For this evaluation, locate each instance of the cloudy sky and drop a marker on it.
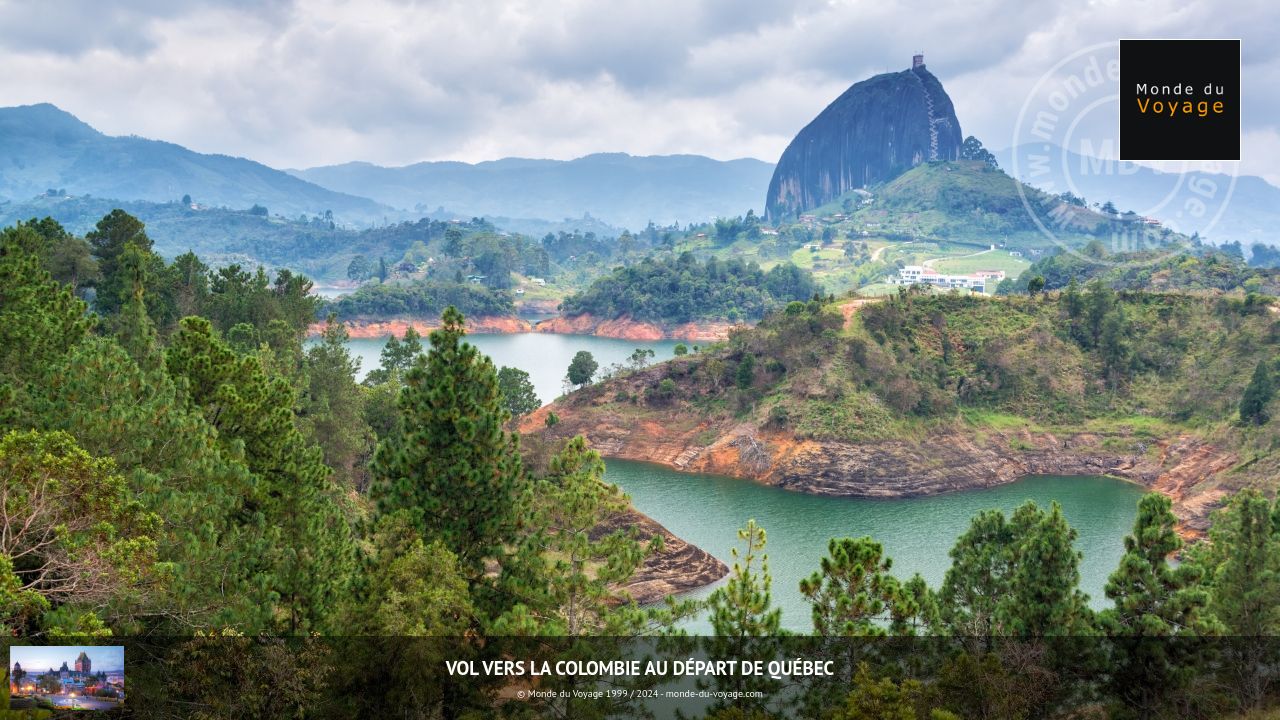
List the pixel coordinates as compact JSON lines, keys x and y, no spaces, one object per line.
{"x":298,"y":83}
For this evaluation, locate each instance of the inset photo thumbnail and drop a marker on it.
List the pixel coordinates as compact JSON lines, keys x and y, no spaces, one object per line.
{"x":79,"y":677}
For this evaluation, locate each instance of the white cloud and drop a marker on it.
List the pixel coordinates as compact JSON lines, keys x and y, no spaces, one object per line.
{"x":311,"y":82}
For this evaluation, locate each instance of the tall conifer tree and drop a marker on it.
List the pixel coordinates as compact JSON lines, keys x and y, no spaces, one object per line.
{"x":453,"y":469}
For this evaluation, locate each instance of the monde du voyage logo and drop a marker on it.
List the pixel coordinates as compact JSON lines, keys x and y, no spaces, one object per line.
{"x":1179,"y":99}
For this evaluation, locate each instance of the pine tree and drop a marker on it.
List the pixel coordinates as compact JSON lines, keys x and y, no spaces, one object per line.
{"x":1257,"y":395}
{"x":854,"y":594}
{"x":133,"y":326}
{"x":311,"y":566}
{"x":109,"y":240}
{"x":40,"y":321}
{"x":213,"y":547}
{"x":398,"y":356}
{"x":1043,"y":598}
{"x":332,"y":409}
{"x":452,"y":468}
{"x":1242,"y":566}
{"x":743,"y":607}
{"x":1015,"y":576}
{"x":408,"y":588}
{"x":1246,"y":576}
{"x":1153,"y":602}
{"x":1151,"y":598}
{"x":743,"y":618}
{"x":982,"y":564}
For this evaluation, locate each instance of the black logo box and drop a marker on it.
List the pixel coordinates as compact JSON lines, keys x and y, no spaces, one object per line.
{"x":1185,"y":67}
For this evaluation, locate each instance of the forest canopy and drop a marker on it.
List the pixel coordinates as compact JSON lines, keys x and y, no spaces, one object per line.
{"x":683,"y":289}
{"x":422,"y":298}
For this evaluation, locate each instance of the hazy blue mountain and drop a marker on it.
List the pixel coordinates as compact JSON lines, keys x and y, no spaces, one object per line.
{"x":1252,"y":215}
{"x":616,"y":188}
{"x":43,"y":147}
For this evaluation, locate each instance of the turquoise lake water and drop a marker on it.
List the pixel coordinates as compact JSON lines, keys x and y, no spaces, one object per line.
{"x":708,"y":510}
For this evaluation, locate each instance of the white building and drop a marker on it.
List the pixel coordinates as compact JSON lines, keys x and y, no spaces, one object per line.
{"x":981,"y":281}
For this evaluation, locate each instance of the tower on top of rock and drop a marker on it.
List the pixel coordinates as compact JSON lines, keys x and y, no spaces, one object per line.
{"x":917,"y":61}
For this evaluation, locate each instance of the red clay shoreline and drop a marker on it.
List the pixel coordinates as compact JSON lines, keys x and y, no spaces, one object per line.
{"x":622,"y":328}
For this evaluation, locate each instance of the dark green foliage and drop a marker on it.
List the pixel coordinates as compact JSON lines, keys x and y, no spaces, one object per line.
{"x":237,"y":296}
{"x":1242,"y":566}
{"x":582,"y":368}
{"x":1035,"y":284}
{"x":66,"y":257}
{"x":854,"y":594}
{"x":1257,"y":395}
{"x":682,"y":289}
{"x":1153,"y":598}
{"x":133,"y":325}
{"x":745,"y":375}
{"x":1154,"y":601}
{"x":360,"y":269}
{"x":972,"y":149}
{"x":1192,"y":267}
{"x":398,"y":355}
{"x":174,"y":465}
{"x":109,"y":240}
{"x":453,"y":469}
{"x":1015,"y":577}
{"x":422,"y":298}
{"x":743,"y":618}
{"x":409,"y":588}
{"x":294,"y":494}
{"x":1043,"y":597}
{"x":39,"y":320}
{"x":518,"y":396}
{"x":981,"y":570}
{"x":331,"y":409}
{"x":577,"y":544}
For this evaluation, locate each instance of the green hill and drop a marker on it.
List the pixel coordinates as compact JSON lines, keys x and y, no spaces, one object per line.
{"x":1197,"y":268}
{"x":921,"y":393}
{"x":973,"y":203}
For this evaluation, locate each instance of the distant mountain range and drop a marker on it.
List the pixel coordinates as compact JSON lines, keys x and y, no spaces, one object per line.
{"x":619,"y":189}
{"x":1252,"y":214}
{"x":43,"y":148}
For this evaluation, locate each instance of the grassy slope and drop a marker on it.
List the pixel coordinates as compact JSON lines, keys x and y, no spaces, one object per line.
{"x":970,"y":203}
{"x":940,"y":212}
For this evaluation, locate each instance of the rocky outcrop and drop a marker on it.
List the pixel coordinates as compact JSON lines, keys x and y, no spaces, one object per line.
{"x":679,"y":567}
{"x":1187,"y":469}
{"x":878,"y":129}
{"x":627,"y":329}
{"x":496,"y":325}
